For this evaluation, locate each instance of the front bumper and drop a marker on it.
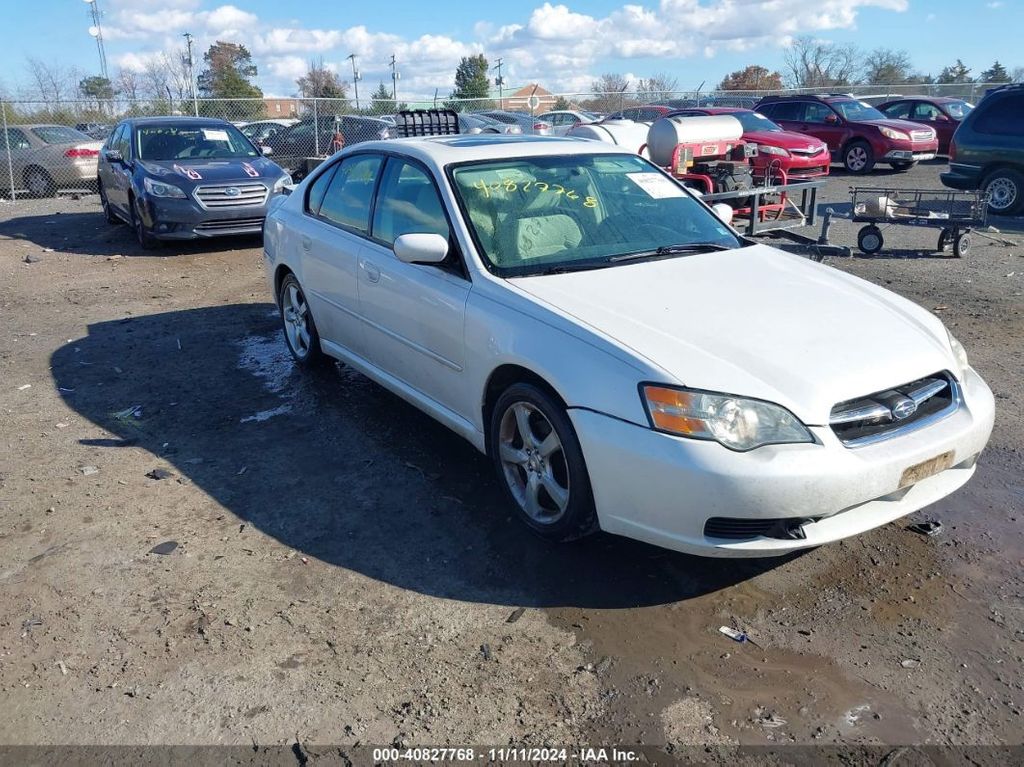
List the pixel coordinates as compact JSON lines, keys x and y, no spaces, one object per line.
{"x":796,"y":166}
{"x":184,"y":219}
{"x":663,"y":489}
{"x":909,"y":155}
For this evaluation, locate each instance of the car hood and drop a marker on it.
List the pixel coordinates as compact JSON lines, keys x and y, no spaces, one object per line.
{"x":785,"y":139}
{"x":215,"y":171}
{"x":900,"y":125}
{"x":756,"y":322}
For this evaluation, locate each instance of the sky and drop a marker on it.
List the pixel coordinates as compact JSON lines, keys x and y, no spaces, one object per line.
{"x":561,"y":45}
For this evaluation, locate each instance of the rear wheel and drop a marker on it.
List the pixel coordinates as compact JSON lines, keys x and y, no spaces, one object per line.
{"x":962,"y":245}
{"x":945,"y":237}
{"x":540,"y":464}
{"x":859,"y":157}
{"x":1005,"y":191}
{"x":902,"y":167}
{"x":870,"y":240}
{"x":39,"y":183}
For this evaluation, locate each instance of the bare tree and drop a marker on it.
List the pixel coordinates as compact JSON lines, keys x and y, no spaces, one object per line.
{"x":129,"y":83}
{"x":608,"y":92}
{"x":885,"y":66}
{"x":811,"y":63}
{"x":1017,"y":74}
{"x":657,"y":87}
{"x":52,"y":83}
{"x":321,"y":82}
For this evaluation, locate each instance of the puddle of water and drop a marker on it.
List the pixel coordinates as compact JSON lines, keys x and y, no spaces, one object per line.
{"x":265,"y":415}
{"x":267,"y":359}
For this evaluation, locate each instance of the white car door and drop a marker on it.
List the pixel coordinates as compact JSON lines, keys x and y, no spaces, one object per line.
{"x":330,"y":235}
{"x":414,"y":314}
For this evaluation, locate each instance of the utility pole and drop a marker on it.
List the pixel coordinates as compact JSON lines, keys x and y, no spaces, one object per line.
{"x":395,"y":76}
{"x":500,"y":82}
{"x":356,"y":77}
{"x":96,"y":30}
{"x":191,"y":74}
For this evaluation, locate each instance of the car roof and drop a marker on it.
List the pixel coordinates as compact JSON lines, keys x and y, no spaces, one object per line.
{"x":173,"y":120}
{"x":443,"y":150}
{"x":934,"y":99}
{"x":40,"y":125}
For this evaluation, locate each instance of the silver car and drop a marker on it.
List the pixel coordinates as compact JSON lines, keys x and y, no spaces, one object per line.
{"x":563,"y":120}
{"x":45,"y":158}
{"x":526,"y":122}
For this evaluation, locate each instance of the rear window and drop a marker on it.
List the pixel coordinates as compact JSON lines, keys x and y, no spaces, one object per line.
{"x":1001,"y":116}
{"x":60,"y":134}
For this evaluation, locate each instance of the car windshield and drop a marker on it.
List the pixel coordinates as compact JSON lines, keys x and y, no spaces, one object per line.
{"x":958,"y":110}
{"x":857,"y":111}
{"x":753,"y":121}
{"x":568,"y":212}
{"x":168,"y":141}
{"x":60,"y":134}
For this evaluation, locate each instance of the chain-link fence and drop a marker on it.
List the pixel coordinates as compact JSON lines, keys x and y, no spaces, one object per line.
{"x":48,"y":148}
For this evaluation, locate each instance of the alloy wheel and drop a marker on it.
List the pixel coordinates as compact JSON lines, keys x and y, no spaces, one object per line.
{"x":296,"y":320}
{"x":856,"y":158}
{"x":533,"y":463}
{"x":1002,"y":194}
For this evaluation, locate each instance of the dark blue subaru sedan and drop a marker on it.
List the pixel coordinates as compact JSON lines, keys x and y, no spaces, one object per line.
{"x":182,"y":178}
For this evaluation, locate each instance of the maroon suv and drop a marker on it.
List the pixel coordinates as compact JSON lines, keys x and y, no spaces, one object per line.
{"x":857,"y":134}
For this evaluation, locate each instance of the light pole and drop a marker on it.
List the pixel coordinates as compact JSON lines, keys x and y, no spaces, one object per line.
{"x":500,"y":82}
{"x":191,"y":74}
{"x":96,"y":31}
{"x":395,"y":77}
{"x":356,"y":77}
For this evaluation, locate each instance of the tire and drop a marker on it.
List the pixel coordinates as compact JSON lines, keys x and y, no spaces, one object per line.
{"x":1005,"y":191}
{"x":870,"y":240}
{"x":859,"y":158}
{"x":903,"y":167}
{"x":300,"y":333}
{"x":144,"y":236}
{"x":39,"y":183}
{"x":108,"y":212}
{"x":945,"y":237}
{"x":539,"y":463}
{"x":962,"y":245}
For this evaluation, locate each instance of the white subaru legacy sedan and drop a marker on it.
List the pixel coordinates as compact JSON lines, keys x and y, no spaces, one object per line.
{"x":626,"y":360}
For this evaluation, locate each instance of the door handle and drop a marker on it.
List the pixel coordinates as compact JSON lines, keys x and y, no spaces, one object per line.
{"x":307,"y":243}
{"x":372,"y":272}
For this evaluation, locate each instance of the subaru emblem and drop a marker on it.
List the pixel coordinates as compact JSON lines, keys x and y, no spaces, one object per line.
{"x":903,"y":409}
{"x":232,"y":191}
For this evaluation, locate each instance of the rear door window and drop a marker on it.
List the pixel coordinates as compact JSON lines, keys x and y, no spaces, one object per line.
{"x":816,"y":113}
{"x":1002,"y":116}
{"x":348,"y":198}
{"x":17,"y":140}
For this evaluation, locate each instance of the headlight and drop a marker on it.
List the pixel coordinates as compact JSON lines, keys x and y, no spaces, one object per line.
{"x":281,"y":183}
{"x":776,"y":150}
{"x":894,"y":134}
{"x":160,"y":189}
{"x":736,"y":422}
{"x":960,"y":354}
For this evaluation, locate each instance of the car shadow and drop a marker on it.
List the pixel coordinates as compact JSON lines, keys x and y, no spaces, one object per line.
{"x":337,"y":468}
{"x":89,"y":234}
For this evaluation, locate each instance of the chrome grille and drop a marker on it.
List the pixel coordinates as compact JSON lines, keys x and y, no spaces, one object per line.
{"x":921,"y":135}
{"x":237,"y":225}
{"x":231,"y":195}
{"x":809,"y":152}
{"x":895,"y":411}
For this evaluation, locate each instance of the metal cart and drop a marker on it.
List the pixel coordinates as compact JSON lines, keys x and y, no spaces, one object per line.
{"x":955,"y":214}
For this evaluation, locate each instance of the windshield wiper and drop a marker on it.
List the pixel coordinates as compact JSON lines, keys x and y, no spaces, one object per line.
{"x":671,"y":250}
{"x":566,"y":268}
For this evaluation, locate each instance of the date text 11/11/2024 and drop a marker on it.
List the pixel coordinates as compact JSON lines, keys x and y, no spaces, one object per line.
{"x":504,"y":754}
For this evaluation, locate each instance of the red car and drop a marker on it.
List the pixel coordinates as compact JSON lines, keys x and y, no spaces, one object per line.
{"x":857,"y":134}
{"x":642,"y":114}
{"x":941,"y":113}
{"x":800,"y":156}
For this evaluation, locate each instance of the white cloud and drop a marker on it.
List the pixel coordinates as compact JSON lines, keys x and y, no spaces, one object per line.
{"x":557,"y":44}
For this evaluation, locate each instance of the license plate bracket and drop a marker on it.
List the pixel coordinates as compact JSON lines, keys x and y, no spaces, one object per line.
{"x":919,"y":471}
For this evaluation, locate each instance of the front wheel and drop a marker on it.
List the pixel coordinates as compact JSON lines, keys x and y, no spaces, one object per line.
{"x":859,"y":157}
{"x":108,"y":212}
{"x":962,"y":245}
{"x":144,"y":236}
{"x":540,"y":464}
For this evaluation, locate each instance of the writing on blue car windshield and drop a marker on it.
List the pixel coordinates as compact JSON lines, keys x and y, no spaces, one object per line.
{"x":192,"y":142}
{"x":537,"y":215}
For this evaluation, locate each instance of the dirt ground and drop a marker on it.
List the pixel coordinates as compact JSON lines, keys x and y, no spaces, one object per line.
{"x":345,"y":570}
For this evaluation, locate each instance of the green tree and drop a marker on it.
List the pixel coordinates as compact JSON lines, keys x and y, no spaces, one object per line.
{"x":995,"y":74}
{"x":381,"y":102}
{"x":752,"y":78}
{"x":321,"y":82}
{"x":227,"y":75}
{"x":561,"y":104}
{"x":471,"y":79}
{"x":97,"y":88}
{"x":958,"y":73}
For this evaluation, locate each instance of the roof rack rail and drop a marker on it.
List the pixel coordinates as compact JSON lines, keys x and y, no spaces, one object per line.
{"x":427,"y":122}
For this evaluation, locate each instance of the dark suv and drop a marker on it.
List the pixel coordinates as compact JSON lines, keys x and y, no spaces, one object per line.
{"x":857,"y":134}
{"x":987,"y":150}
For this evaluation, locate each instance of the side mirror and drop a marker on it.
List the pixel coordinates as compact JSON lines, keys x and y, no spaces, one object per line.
{"x":266,"y":150}
{"x":113,"y":155}
{"x":723,"y":211}
{"x":831,"y":119}
{"x":421,"y":248}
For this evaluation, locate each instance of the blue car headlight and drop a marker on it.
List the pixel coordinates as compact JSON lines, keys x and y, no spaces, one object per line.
{"x":160,"y":189}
